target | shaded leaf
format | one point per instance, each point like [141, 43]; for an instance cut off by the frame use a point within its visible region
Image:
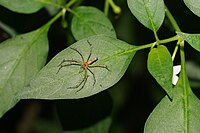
[193, 72]
[90, 21]
[150, 13]
[160, 66]
[192, 39]
[23, 6]
[193, 5]
[178, 115]
[51, 84]
[21, 57]
[100, 127]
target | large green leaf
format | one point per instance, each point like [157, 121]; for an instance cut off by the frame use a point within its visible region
[100, 127]
[181, 115]
[21, 58]
[160, 66]
[23, 6]
[194, 6]
[90, 21]
[51, 83]
[150, 13]
[192, 39]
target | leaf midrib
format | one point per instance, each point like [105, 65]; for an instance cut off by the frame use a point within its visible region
[149, 16]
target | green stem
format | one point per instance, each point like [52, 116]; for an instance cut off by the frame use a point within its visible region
[175, 50]
[185, 87]
[51, 3]
[152, 44]
[172, 20]
[182, 54]
[106, 7]
[8, 29]
[70, 3]
[73, 12]
[67, 7]
[156, 36]
[54, 19]
[143, 47]
[116, 9]
[63, 21]
[176, 27]
[171, 39]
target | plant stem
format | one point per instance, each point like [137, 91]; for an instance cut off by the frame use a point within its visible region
[70, 3]
[172, 20]
[8, 29]
[63, 21]
[176, 27]
[73, 12]
[182, 54]
[116, 9]
[106, 7]
[171, 39]
[184, 83]
[54, 19]
[156, 36]
[62, 12]
[174, 38]
[143, 47]
[175, 50]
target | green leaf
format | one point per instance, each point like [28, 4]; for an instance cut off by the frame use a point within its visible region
[179, 115]
[150, 13]
[192, 39]
[100, 127]
[21, 58]
[23, 6]
[160, 66]
[193, 5]
[90, 21]
[51, 83]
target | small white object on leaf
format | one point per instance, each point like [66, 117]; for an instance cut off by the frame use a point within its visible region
[176, 70]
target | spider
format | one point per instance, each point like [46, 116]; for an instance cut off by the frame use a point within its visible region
[84, 66]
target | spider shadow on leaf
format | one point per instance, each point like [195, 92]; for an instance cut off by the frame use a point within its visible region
[84, 67]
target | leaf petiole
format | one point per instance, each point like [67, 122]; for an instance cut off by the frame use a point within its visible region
[150, 45]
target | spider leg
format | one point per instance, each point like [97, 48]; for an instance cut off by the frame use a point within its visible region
[64, 65]
[101, 66]
[81, 69]
[90, 50]
[83, 81]
[92, 76]
[74, 87]
[78, 53]
[68, 60]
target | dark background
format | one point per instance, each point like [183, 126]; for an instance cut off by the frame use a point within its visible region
[129, 102]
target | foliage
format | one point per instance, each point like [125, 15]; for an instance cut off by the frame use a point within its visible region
[98, 60]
